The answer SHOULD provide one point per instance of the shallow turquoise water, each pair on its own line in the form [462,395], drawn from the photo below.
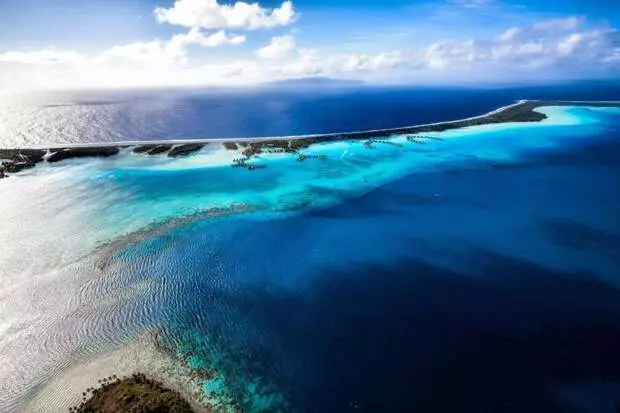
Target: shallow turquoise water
[172,188]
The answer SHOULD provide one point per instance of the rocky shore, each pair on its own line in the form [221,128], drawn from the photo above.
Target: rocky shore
[16,160]
[152,149]
[182,150]
[70,153]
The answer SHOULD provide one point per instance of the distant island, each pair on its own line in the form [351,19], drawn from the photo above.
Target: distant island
[314,81]
[15,160]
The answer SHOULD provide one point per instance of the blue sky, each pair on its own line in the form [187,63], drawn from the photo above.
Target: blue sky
[119,43]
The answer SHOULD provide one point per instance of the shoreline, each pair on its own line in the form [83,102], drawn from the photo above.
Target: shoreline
[523,111]
[141,355]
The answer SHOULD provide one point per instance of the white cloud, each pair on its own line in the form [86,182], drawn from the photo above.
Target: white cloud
[568,45]
[46,56]
[210,14]
[585,43]
[277,48]
[510,34]
[153,53]
[564,24]
[356,62]
[550,43]
[195,36]
[444,54]
[613,57]
[177,45]
[311,62]
[170,52]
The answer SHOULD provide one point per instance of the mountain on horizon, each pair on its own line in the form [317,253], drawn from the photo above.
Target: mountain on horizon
[315,81]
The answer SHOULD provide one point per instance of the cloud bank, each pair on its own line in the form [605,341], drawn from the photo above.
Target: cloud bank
[556,48]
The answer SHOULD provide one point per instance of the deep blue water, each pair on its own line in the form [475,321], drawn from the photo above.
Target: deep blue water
[59,117]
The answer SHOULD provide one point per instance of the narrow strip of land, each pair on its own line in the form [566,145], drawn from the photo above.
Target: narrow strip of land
[15,160]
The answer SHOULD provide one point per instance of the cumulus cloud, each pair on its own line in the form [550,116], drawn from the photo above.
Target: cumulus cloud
[278,47]
[154,52]
[195,36]
[210,14]
[588,44]
[310,62]
[169,52]
[444,53]
[176,47]
[547,43]
[567,23]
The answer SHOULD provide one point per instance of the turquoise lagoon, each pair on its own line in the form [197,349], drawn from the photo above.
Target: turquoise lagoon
[478,270]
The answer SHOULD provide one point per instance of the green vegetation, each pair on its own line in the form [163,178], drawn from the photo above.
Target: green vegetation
[135,394]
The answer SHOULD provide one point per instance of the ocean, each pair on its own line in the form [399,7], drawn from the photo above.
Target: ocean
[477,271]
[108,116]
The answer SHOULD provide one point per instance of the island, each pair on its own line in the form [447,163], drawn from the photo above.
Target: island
[16,160]
[136,393]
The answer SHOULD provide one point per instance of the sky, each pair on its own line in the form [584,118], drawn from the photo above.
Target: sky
[67,44]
